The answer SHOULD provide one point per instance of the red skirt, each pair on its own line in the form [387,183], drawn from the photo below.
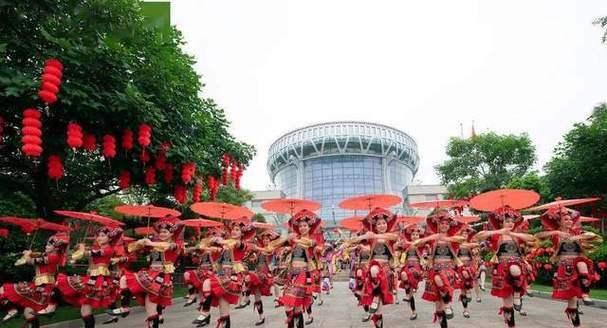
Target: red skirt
[196,277]
[414,273]
[260,281]
[98,292]
[280,276]
[27,295]
[446,271]
[316,276]
[227,286]
[566,282]
[502,281]
[384,280]
[466,283]
[298,290]
[159,288]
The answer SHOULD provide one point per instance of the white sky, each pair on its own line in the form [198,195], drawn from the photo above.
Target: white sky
[419,66]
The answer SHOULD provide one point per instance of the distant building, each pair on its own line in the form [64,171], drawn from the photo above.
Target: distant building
[333,161]
[262,196]
[422,193]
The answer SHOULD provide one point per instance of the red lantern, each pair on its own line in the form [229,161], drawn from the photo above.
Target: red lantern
[180,194]
[144,157]
[188,170]
[109,146]
[602,265]
[212,187]
[127,139]
[168,173]
[32,134]
[125,179]
[50,81]
[548,266]
[89,142]
[74,135]
[165,146]
[161,160]
[197,191]
[145,135]
[150,176]
[2,123]
[55,167]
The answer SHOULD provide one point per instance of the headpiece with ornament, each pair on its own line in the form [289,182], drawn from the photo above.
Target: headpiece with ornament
[370,221]
[170,223]
[305,216]
[551,219]
[442,215]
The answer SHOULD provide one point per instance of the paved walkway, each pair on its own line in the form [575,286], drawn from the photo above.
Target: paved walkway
[339,311]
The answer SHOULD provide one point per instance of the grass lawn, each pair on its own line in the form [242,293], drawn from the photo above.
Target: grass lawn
[595,293]
[65,313]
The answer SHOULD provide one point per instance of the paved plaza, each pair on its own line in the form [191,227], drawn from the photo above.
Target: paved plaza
[340,310]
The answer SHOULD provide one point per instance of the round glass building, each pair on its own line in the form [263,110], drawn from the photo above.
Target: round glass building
[329,162]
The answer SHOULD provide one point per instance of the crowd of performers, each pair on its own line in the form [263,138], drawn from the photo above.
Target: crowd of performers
[240,260]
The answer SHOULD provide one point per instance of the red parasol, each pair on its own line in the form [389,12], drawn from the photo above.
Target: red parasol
[369,202]
[564,202]
[514,198]
[439,203]
[467,219]
[351,225]
[30,225]
[223,211]
[290,205]
[93,217]
[588,219]
[147,211]
[263,225]
[201,223]
[409,220]
[144,231]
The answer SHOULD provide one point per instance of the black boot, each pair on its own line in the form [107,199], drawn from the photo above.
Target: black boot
[378,320]
[258,305]
[300,320]
[89,321]
[290,319]
[224,322]
[412,305]
[33,322]
[464,301]
[573,315]
[153,321]
[441,317]
[508,313]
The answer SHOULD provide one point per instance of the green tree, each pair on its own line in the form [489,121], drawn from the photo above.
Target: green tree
[258,217]
[118,73]
[531,181]
[484,162]
[579,165]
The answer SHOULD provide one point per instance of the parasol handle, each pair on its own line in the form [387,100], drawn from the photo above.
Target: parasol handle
[32,240]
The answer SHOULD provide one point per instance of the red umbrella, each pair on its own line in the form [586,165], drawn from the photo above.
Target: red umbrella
[201,223]
[263,225]
[564,202]
[439,203]
[588,219]
[93,217]
[369,202]
[515,198]
[30,225]
[467,219]
[290,205]
[223,211]
[408,220]
[144,231]
[146,211]
[351,225]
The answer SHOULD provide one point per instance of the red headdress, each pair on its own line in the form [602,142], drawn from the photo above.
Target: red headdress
[410,229]
[170,223]
[273,235]
[370,221]
[247,229]
[305,216]
[496,218]
[551,219]
[469,229]
[442,215]
[60,241]
[215,232]
[113,233]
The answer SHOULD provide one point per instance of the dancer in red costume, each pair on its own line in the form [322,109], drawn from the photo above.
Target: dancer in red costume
[362,253]
[120,265]
[378,281]
[40,294]
[297,295]
[467,271]
[153,286]
[441,229]
[509,274]
[412,259]
[224,287]
[258,280]
[206,255]
[574,273]
[95,290]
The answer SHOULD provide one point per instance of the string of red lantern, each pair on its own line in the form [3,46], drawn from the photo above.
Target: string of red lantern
[31,133]
[74,135]
[197,191]
[50,81]
[89,142]
[188,170]
[144,157]
[127,140]
[180,194]
[168,173]
[109,146]
[145,136]
[55,167]
[161,160]
[212,182]
[124,180]
[150,176]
